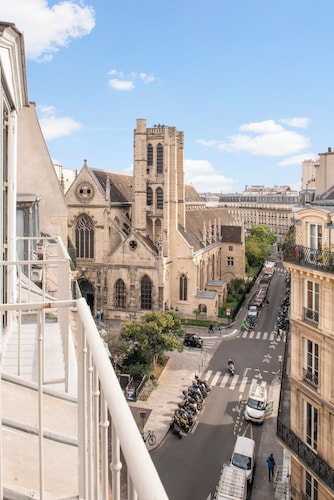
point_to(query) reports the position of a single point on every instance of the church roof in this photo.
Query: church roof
(197, 220)
(121, 185)
(191, 195)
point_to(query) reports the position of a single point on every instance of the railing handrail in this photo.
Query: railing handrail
(141, 469)
(137, 457)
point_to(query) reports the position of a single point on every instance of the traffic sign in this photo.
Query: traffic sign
(228, 311)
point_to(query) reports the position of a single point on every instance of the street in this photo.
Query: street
(190, 468)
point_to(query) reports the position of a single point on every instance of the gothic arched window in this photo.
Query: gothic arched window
(120, 294)
(146, 293)
(149, 196)
(183, 287)
(149, 155)
(84, 237)
(160, 198)
(160, 159)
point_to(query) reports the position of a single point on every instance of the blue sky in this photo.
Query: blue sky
(250, 83)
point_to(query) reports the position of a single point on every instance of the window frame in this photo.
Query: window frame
(160, 158)
(159, 198)
(149, 155)
(146, 293)
(183, 287)
(120, 294)
(311, 362)
(311, 487)
(311, 424)
(84, 237)
(312, 301)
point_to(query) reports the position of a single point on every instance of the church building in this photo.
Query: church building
(147, 242)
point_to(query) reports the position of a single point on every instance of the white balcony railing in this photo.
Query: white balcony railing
(107, 434)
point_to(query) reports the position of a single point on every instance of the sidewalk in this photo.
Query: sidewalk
(157, 412)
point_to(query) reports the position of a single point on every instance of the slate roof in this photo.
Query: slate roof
(121, 185)
(121, 191)
(326, 196)
(195, 220)
(191, 195)
(206, 294)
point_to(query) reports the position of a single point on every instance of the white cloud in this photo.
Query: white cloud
(266, 138)
(117, 84)
(265, 127)
(296, 122)
(48, 29)
(297, 159)
(125, 82)
(205, 179)
(54, 127)
(146, 78)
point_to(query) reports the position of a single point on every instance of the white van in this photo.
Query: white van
(232, 484)
(243, 456)
(257, 406)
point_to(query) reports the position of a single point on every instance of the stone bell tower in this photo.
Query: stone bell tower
(159, 193)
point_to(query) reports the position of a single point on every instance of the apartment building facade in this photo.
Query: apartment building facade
(257, 205)
(305, 423)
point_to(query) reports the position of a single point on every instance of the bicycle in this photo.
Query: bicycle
(150, 438)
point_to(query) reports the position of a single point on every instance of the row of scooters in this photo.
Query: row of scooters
(249, 323)
(185, 414)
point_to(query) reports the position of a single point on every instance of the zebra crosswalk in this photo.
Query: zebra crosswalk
(226, 381)
(252, 334)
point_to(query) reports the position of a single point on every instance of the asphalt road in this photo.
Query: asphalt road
(190, 468)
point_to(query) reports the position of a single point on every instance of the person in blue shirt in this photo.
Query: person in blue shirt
(271, 466)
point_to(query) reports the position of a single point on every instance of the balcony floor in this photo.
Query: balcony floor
(20, 417)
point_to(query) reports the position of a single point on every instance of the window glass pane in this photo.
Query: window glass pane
(84, 237)
(183, 287)
(146, 293)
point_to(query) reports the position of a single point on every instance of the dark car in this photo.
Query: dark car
(192, 340)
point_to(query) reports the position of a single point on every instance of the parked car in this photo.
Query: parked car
(252, 311)
(192, 340)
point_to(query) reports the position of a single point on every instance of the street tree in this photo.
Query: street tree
(148, 340)
(258, 245)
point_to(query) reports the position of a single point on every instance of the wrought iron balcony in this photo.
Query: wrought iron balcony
(311, 315)
(322, 260)
(311, 378)
(296, 446)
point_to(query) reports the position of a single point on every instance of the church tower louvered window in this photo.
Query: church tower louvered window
(149, 155)
(160, 159)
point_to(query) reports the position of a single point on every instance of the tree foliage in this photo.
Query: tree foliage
(258, 245)
(147, 340)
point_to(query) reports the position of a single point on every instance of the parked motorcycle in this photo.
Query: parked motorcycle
(182, 421)
(203, 383)
(196, 394)
(192, 400)
(200, 388)
(175, 430)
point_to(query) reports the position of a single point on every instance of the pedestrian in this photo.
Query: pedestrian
(271, 465)
(211, 328)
